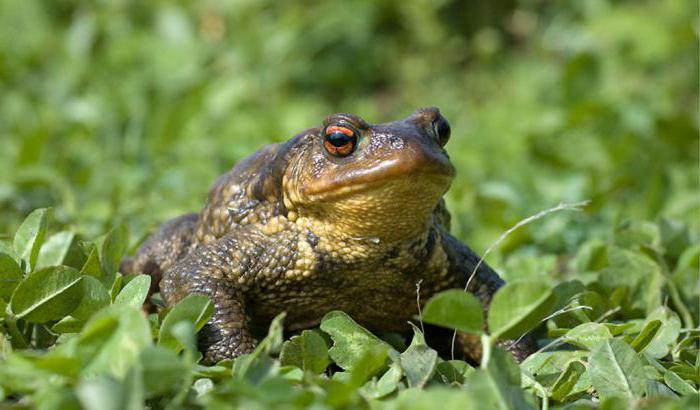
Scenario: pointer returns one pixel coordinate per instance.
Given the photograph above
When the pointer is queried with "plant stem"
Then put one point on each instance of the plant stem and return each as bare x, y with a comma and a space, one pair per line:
17, 339
486, 351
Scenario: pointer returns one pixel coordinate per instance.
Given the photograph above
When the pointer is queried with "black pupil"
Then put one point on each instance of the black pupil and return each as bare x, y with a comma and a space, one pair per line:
338, 139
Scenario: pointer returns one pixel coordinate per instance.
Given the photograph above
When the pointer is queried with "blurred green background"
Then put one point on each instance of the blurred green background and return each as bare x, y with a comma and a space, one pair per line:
126, 111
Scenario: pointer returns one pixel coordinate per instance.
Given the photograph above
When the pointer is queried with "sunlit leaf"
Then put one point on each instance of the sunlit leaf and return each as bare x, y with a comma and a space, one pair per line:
455, 309
47, 294
30, 236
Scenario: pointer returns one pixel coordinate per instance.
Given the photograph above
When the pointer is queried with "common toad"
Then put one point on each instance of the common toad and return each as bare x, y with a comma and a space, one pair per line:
346, 216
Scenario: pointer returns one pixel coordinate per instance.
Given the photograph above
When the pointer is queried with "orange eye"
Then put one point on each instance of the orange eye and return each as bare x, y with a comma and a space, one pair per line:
339, 141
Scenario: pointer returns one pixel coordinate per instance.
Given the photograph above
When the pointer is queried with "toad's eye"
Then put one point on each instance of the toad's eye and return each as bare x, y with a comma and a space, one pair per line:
339, 141
441, 129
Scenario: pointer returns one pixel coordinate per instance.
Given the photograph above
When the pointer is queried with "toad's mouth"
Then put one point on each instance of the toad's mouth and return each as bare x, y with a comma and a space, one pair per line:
424, 170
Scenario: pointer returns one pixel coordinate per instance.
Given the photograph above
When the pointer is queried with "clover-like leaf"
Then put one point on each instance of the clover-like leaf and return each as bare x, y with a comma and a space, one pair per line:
455, 309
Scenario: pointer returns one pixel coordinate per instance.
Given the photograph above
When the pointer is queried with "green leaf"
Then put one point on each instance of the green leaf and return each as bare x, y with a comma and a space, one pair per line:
163, 370
10, 276
135, 292
566, 382
196, 309
56, 398
452, 371
679, 385
497, 386
112, 340
455, 309
351, 341
370, 363
587, 335
55, 249
646, 335
418, 361
272, 343
95, 297
47, 294
387, 384
616, 370
519, 307
111, 248
665, 338
429, 399
101, 393
307, 351
634, 277
30, 236
91, 267
635, 234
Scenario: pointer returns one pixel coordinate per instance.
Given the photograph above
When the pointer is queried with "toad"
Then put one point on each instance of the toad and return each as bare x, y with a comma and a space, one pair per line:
345, 216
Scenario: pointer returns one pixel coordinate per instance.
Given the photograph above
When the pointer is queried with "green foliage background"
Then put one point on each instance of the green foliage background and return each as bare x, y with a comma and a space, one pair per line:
118, 111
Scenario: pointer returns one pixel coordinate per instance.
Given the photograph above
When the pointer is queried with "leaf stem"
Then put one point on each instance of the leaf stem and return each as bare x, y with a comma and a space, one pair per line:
486, 343
17, 339
680, 306
674, 293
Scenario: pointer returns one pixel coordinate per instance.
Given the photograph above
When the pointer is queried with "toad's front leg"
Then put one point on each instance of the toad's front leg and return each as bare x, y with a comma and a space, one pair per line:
485, 282
223, 270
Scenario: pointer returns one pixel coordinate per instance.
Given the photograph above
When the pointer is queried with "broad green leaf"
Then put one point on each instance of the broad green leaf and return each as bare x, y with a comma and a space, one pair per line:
112, 340
47, 294
566, 382
10, 276
135, 292
519, 307
370, 363
30, 236
95, 297
587, 335
196, 309
418, 361
351, 340
679, 385
634, 278
616, 370
55, 249
307, 351
163, 370
646, 335
455, 309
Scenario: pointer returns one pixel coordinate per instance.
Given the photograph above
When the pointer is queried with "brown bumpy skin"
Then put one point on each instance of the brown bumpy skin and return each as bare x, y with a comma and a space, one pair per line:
347, 216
